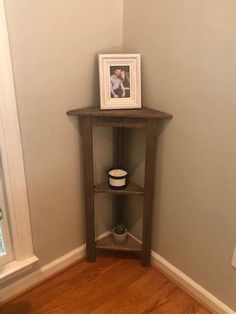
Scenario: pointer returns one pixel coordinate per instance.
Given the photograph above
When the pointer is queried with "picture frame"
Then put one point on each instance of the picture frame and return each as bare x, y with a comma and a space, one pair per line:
120, 81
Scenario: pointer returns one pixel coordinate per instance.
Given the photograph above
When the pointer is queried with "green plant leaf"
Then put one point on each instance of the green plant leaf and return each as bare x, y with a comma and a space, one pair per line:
120, 228
1, 214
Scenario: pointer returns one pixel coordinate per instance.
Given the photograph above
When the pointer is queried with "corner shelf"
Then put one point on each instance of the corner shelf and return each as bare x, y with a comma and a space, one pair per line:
130, 246
121, 121
132, 188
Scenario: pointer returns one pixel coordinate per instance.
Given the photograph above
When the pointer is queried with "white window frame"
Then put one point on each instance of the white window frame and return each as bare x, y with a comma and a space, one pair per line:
12, 162
7, 255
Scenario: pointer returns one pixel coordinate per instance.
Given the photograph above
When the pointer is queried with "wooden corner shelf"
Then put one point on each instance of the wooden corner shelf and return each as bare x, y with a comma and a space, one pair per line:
121, 121
132, 188
107, 243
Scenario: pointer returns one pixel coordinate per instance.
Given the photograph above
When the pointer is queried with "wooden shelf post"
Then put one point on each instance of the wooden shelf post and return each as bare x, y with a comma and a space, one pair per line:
119, 162
87, 147
150, 154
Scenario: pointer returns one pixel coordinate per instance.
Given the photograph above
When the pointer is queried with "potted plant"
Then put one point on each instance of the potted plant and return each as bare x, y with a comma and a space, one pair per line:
120, 233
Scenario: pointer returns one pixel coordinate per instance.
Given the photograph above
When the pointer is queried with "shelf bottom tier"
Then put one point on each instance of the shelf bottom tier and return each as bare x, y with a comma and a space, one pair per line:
107, 243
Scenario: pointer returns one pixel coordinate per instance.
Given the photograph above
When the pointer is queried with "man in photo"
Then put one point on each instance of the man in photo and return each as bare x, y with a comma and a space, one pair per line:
117, 87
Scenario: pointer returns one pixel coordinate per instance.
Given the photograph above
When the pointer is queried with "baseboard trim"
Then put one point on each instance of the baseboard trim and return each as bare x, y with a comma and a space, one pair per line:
78, 254
38, 276
190, 285
45, 272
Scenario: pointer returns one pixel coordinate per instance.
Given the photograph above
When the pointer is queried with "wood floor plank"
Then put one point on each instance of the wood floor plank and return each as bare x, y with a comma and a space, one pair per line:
111, 285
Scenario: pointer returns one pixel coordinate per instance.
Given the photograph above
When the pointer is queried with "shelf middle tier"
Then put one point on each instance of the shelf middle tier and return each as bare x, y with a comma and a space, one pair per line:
132, 188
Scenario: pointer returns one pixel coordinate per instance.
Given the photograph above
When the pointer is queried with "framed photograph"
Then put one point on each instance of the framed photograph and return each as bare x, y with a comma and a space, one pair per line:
120, 81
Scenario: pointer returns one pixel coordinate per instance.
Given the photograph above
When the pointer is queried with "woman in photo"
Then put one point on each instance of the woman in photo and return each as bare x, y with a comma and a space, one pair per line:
126, 83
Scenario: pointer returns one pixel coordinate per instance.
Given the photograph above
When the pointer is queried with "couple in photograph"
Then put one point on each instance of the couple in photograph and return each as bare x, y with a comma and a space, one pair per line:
120, 85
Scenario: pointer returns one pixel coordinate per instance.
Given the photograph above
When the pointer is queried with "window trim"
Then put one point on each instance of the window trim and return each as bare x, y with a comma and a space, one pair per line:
11, 153
7, 255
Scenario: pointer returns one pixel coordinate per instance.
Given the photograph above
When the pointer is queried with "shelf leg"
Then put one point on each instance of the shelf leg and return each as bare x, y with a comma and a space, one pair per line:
119, 208
87, 147
119, 147
148, 189
119, 161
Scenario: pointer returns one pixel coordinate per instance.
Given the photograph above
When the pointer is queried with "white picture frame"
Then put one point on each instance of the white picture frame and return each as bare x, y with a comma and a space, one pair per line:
120, 81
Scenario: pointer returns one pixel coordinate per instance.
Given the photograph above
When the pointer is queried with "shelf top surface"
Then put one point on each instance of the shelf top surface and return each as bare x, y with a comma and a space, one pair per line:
143, 113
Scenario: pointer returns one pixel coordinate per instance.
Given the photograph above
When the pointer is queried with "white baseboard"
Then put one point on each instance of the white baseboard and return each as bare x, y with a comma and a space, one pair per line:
79, 253
41, 274
44, 272
194, 288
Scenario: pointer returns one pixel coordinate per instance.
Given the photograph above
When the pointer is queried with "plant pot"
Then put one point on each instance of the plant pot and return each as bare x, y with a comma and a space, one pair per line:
119, 239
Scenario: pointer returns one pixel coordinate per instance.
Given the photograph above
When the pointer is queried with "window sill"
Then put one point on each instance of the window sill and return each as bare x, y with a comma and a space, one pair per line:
15, 267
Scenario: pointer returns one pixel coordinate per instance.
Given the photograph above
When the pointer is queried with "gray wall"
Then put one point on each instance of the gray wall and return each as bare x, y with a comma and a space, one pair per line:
188, 69
188, 57
54, 46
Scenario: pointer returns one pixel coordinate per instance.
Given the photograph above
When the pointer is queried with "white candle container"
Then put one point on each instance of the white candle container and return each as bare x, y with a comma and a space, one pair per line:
117, 178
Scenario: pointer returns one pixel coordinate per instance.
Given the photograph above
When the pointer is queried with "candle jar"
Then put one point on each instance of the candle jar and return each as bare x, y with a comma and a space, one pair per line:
117, 178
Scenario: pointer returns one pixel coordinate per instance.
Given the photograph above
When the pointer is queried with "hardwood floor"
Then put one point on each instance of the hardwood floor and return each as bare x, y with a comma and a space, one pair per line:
111, 285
